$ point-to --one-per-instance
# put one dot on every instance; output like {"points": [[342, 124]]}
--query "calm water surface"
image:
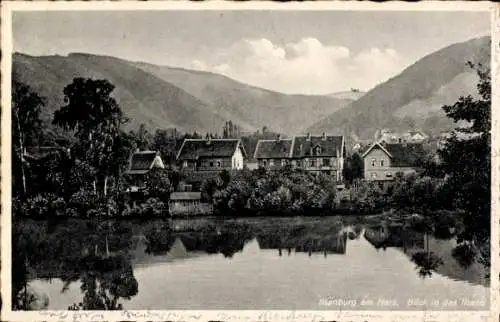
{"points": [[304, 264]]}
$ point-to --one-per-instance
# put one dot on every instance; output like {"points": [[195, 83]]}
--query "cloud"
{"points": [[306, 66]]}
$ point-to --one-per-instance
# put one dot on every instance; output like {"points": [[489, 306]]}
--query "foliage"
{"points": [[353, 167], [26, 131], [283, 191], [157, 183], [466, 159], [95, 118]]}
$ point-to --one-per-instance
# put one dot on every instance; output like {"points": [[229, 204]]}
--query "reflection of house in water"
{"points": [[411, 242], [393, 236], [327, 244]]}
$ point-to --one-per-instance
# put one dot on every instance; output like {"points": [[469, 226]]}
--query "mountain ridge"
{"points": [[419, 81]]}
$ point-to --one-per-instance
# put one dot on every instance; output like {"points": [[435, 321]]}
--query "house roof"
{"points": [[375, 145], [405, 155], [193, 149], [273, 149], [330, 146], [142, 161], [185, 196], [401, 154], [415, 132]]}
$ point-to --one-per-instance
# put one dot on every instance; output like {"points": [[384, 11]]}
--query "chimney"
{"points": [[308, 136], [324, 136]]}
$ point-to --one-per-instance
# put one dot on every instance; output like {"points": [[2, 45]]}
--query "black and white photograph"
{"points": [[241, 159]]}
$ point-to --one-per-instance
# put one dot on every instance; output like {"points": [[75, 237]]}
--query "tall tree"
{"points": [[466, 159], [165, 142], [95, 118], [26, 130], [353, 168]]}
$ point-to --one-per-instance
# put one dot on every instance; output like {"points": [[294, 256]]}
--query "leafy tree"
{"points": [[353, 167], [95, 119], [158, 184], [165, 142], [142, 138], [26, 130], [466, 160]]}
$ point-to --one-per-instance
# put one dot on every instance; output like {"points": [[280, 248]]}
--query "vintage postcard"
{"points": [[249, 161]]}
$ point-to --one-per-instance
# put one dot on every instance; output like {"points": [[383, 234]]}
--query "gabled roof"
{"points": [[376, 145], [415, 132], [193, 149], [142, 161], [330, 146], [267, 149]]}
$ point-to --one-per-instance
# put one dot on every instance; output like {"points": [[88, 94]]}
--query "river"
{"points": [[280, 264]]}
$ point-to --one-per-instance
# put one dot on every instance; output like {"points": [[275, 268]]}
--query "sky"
{"points": [[306, 52]]}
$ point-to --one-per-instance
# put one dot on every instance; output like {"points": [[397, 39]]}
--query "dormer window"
{"points": [[317, 150]]}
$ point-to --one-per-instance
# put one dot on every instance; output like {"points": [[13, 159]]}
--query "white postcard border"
{"points": [[235, 315]]}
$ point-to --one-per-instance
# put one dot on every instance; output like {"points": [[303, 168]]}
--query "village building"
{"points": [[273, 154], [391, 137], [211, 154], [201, 159], [317, 154], [188, 203], [383, 161], [141, 163]]}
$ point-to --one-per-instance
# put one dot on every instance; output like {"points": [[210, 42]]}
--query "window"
{"points": [[297, 163], [211, 163], [326, 162], [317, 150], [277, 162], [312, 162], [185, 164], [388, 174], [219, 164], [373, 162], [283, 162], [271, 162], [381, 163], [373, 174], [264, 163]]}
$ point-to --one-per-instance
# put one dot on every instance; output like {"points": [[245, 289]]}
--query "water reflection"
{"points": [[101, 257]]}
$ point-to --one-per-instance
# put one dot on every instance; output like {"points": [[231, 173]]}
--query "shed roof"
{"points": [[185, 196], [193, 149]]}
